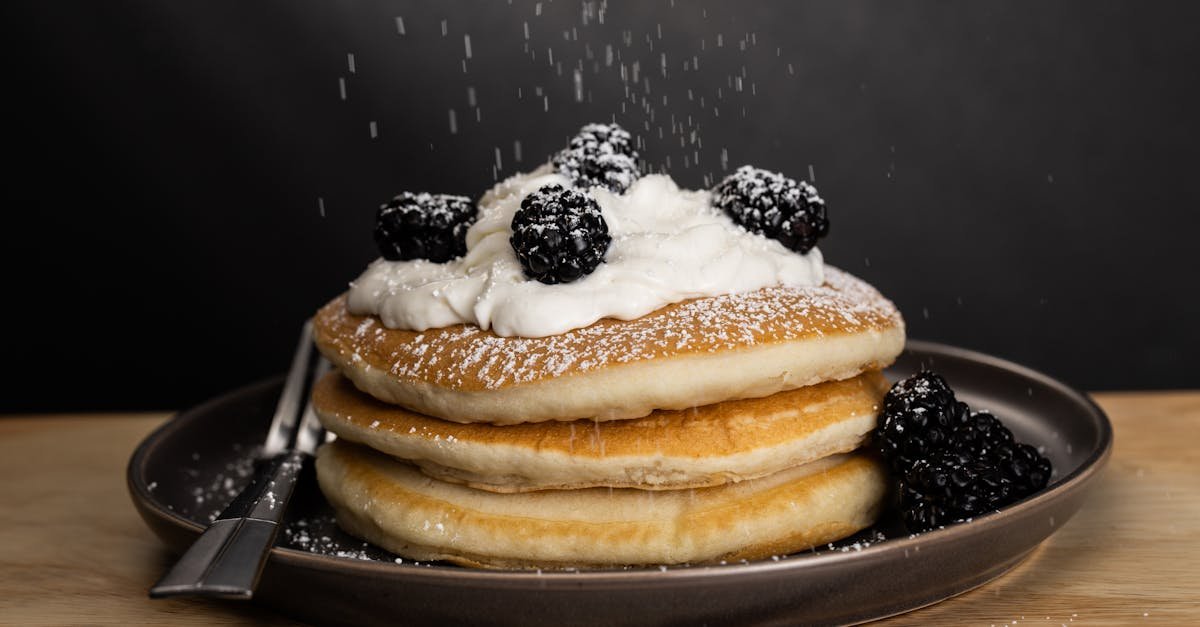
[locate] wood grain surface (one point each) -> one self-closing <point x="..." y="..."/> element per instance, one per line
<point x="73" y="550"/>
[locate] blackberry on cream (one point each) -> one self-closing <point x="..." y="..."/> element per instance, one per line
<point x="599" y="155"/>
<point x="559" y="235"/>
<point x="773" y="205"/>
<point x="423" y="226"/>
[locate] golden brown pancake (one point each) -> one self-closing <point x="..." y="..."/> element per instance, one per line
<point x="688" y="354"/>
<point x="391" y="504"/>
<point x="698" y="447"/>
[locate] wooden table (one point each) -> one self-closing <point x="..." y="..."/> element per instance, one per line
<point x="72" y="549"/>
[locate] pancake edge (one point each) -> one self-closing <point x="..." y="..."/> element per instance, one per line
<point x="635" y="389"/>
<point x="539" y="462"/>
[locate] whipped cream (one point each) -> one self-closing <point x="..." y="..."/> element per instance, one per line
<point x="668" y="245"/>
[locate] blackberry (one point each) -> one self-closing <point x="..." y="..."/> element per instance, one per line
<point x="1026" y="470"/>
<point x="919" y="415"/>
<point x="952" y="463"/>
<point x="599" y="155"/>
<point x="424" y="226"/>
<point x="559" y="235"/>
<point x="981" y="435"/>
<point x="773" y="205"/>
<point x="950" y="487"/>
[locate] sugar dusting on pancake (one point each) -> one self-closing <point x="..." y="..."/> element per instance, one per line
<point x="464" y="357"/>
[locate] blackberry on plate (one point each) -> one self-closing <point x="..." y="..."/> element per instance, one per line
<point x="981" y="435"/>
<point x="1026" y="470"/>
<point x="599" y="155"/>
<point x="424" y="226"/>
<point x="559" y="235"/>
<point x="952" y="463"/>
<point x="919" y="415"/>
<point x="771" y="204"/>
<point x="949" y="487"/>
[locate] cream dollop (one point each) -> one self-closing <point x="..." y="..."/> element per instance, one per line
<point x="668" y="245"/>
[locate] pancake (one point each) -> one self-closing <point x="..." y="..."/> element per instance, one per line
<point x="391" y="504"/>
<point x="704" y="446"/>
<point x="697" y="352"/>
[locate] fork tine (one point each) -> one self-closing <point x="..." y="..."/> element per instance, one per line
<point x="287" y="413"/>
<point x="311" y="433"/>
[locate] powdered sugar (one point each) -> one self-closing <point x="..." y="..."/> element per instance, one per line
<point x="312" y="535"/>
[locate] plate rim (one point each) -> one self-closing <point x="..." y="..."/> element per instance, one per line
<point x="672" y="575"/>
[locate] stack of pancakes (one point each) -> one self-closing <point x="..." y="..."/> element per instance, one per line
<point x="719" y="428"/>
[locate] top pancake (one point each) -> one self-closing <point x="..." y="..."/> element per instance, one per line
<point x="687" y="354"/>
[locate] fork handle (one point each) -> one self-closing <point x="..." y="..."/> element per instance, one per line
<point x="228" y="558"/>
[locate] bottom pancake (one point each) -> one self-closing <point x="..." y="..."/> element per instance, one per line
<point x="395" y="506"/>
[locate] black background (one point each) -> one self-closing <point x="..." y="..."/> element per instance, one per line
<point x="188" y="183"/>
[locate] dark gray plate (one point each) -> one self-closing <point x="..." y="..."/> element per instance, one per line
<point x="187" y="470"/>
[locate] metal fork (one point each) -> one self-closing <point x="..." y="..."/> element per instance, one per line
<point x="227" y="560"/>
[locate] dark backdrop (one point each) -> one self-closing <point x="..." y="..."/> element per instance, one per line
<point x="190" y="182"/>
